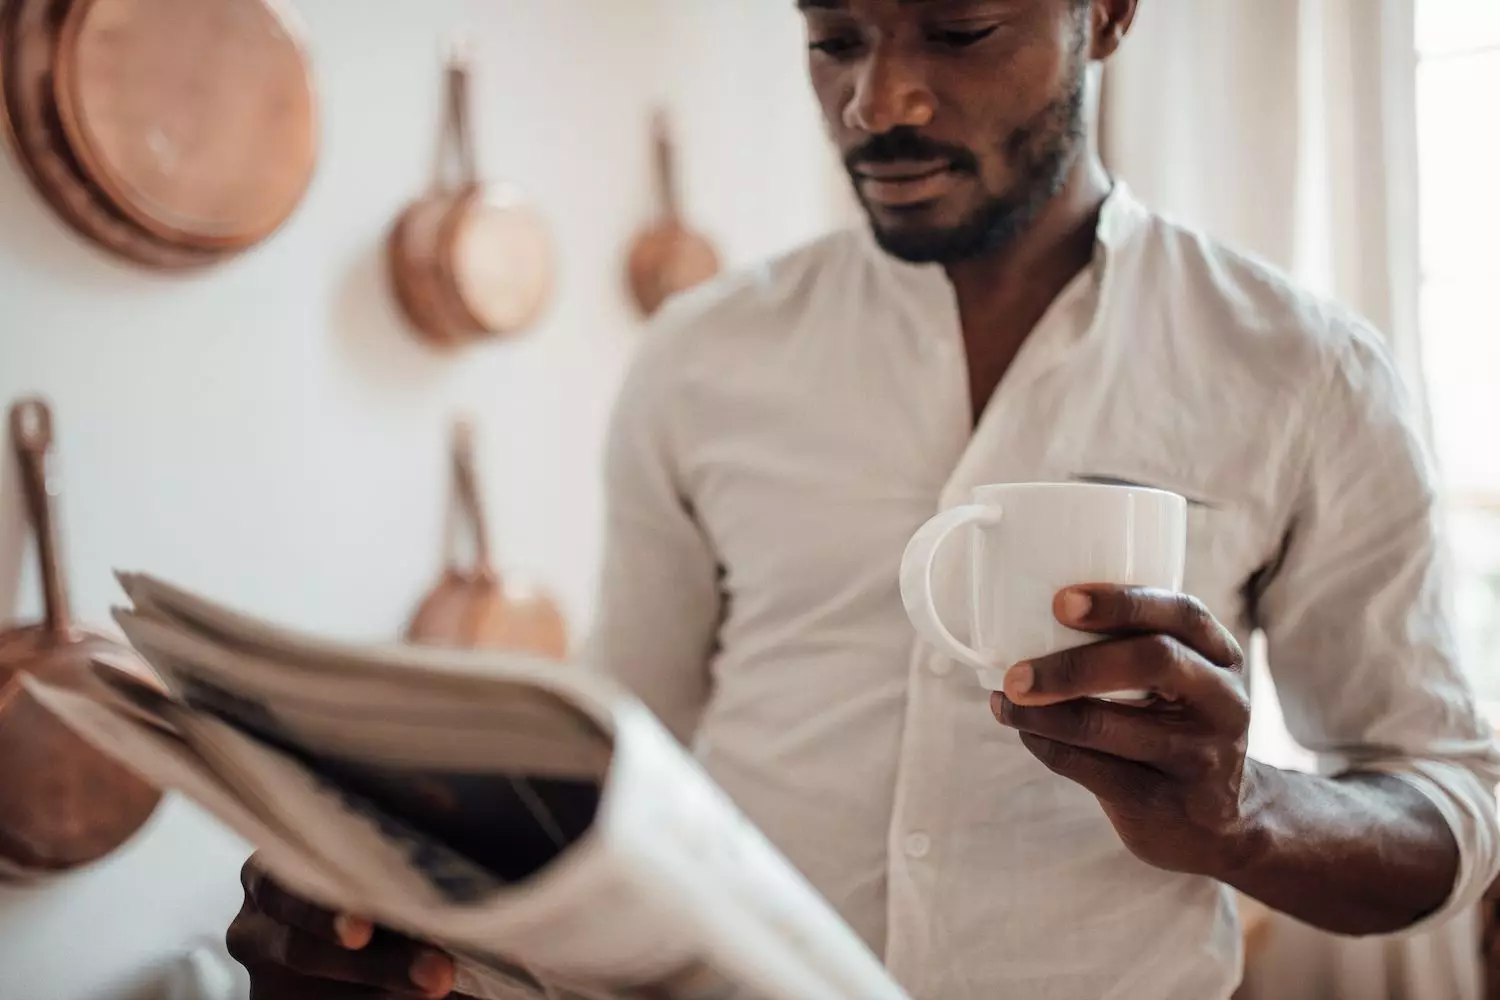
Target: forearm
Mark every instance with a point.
(1358, 854)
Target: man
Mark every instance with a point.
(1012, 314)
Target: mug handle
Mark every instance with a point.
(916, 578)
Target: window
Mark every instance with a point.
(1458, 148)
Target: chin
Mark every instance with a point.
(915, 234)
(917, 243)
(918, 236)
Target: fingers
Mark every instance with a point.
(1118, 610)
(1095, 725)
(268, 948)
(285, 908)
(277, 932)
(1107, 777)
(1156, 663)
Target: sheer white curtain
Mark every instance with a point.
(1287, 128)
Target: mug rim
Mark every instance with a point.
(980, 494)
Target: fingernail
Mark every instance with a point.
(1019, 678)
(432, 973)
(1076, 605)
(354, 933)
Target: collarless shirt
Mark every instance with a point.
(785, 430)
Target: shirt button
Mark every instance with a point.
(918, 845)
(940, 666)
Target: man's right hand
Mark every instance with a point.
(295, 950)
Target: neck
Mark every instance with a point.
(1022, 279)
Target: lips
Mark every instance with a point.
(910, 170)
(902, 184)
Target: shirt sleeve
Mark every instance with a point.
(659, 597)
(1360, 638)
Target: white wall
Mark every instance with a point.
(269, 431)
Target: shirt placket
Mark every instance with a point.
(929, 772)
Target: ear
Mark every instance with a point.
(1109, 20)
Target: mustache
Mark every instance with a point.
(906, 143)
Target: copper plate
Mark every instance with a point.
(197, 117)
(28, 30)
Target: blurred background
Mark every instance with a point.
(271, 430)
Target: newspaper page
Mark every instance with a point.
(533, 819)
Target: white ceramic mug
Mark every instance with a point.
(1029, 541)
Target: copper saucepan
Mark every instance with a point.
(470, 260)
(667, 256)
(471, 606)
(62, 803)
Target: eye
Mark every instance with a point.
(836, 46)
(960, 38)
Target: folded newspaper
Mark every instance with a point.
(534, 819)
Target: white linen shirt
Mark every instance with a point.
(785, 430)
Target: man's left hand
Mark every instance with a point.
(1170, 774)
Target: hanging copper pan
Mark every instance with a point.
(469, 260)
(668, 256)
(171, 132)
(62, 803)
(197, 119)
(471, 606)
(28, 33)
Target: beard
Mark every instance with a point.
(1042, 153)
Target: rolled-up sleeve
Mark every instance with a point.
(659, 597)
(1360, 637)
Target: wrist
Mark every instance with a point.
(1250, 840)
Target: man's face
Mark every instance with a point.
(957, 119)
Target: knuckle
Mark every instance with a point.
(237, 943)
(1210, 759)
(1132, 604)
(1239, 703)
(1174, 665)
(1162, 652)
(1052, 754)
(1199, 758)
(246, 939)
(1190, 610)
(251, 877)
(1236, 664)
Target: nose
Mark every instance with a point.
(890, 91)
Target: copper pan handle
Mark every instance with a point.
(466, 492)
(667, 198)
(460, 111)
(31, 435)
